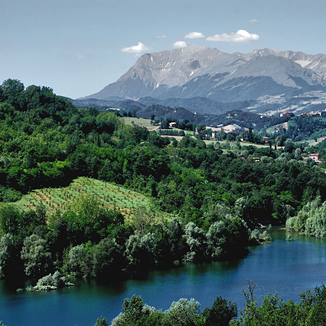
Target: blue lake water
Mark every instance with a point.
(287, 268)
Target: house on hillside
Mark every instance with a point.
(256, 159)
(229, 128)
(286, 113)
(315, 157)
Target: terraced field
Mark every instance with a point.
(110, 196)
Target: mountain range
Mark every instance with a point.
(208, 81)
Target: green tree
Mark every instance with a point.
(141, 251)
(217, 236)
(177, 242)
(108, 259)
(197, 242)
(11, 88)
(36, 256)
(220, 313)
(238, 236)
(101, 322)
(182, 313)
(107, 122)
(86, 206)
(132, 312)
(10, 219)
(77, 260)
(10, 264)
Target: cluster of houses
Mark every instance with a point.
(234, 128)
(314, 156)
(310, 114)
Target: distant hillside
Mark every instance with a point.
(146, 109)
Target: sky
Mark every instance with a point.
(77, 47)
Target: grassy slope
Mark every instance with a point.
(139, 122)
(110, 196)
(147, 124)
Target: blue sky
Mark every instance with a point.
(79, 46)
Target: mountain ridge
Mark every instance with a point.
(261, 77)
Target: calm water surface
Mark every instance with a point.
(287, 268)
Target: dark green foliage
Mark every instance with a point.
(10, 264)
(140, 251)
(9, 194)
(187, 141)
(221, 313)
(171, 132)
(177, 242)
(10, 219)
(132, 312)
(158, 141)
(101, 322)
(108, 260)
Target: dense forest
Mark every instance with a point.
(216, 197)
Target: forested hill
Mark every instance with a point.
(216, 197)
(46, 141)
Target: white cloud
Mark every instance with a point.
(160, 36)
(240, 36)
(81, 56)
(140, 47)
(179, 45)
(194, 35)
(253, 21)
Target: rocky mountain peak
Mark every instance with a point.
(203, 72)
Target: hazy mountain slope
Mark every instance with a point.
(200, 105)
(264, 78)
(160, 71)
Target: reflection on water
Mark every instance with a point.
(281, 266)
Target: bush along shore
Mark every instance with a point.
(48, 283)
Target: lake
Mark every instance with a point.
(287, 268)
